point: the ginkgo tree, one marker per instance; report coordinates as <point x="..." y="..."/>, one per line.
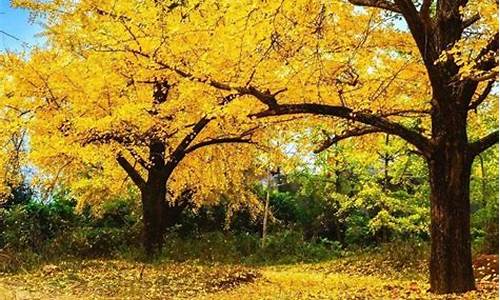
<point x="457" y="63"/>
<point x="351" y="66"/>
<point x="85" y="119"/>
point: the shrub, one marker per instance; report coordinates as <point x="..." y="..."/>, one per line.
<point x="30" y="226"/>
<point x="290" y="247"/>
<point x="54" y="228"/>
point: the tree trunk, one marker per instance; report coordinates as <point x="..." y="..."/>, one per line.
<point x="154" y="207"/>
<point x="450" y="170"/>
<point x="154" y="202"/>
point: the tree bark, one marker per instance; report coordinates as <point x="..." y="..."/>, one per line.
<point x="449" y="174"/>
<point x="153" y="208"/>
<point x="158" y="213"/>
<point x="154" y="202"/>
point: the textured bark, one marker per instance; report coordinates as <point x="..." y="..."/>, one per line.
<point x="158" y="213"/>
<point x="154" y="196"/>
<point x="451" y="261"/>
<point x="153" y="207"/>
<point x="449" y="173"/>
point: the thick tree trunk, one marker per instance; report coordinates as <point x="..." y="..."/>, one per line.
<point x="154" y="202"/>
<point x="158" y="214"/>
<point x="450" y="169"/>
<point x="154" y="207"/>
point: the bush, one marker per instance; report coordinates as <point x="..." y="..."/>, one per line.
<point x="283" y="247"/>
<point x="99" y="241"/>
<point x="290" y="247"/>
<point x="55" y="228"/>
<point x="19" y="194"/>
<point x="32" y="225"/>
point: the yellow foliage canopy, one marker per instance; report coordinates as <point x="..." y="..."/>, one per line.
<point x="103" y="57"/>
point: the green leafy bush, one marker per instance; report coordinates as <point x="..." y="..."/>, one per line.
<point x="32" y="225"/>
<point x="290" y="247"/>
<point x="55" y="228"/>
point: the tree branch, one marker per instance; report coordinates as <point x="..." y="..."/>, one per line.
<point x="406" y="112"/>
<point x="484" y="143"/>
<point x="469" y="22"/>
<point x="180" y="151"/>
<point x="484" y="77"/>
<point x="385" y="125"/>
<point x="265" y="97"/>
<point x="217" y="141"/>
<point x="489" y="62"/>
<point x="129" y="137"/>
<point x="491" y="46"/>
<point x="348" y="134"/>
<point x="383" y="4"/>
<point x="474" y="104"/>
<point x="138" y="158"/>
<point x="422" y="31"/>
<point x="131" y="171"/>
<point x="102" y="12"/>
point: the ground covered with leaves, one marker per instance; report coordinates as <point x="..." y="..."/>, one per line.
<point x="354" y="276"/>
